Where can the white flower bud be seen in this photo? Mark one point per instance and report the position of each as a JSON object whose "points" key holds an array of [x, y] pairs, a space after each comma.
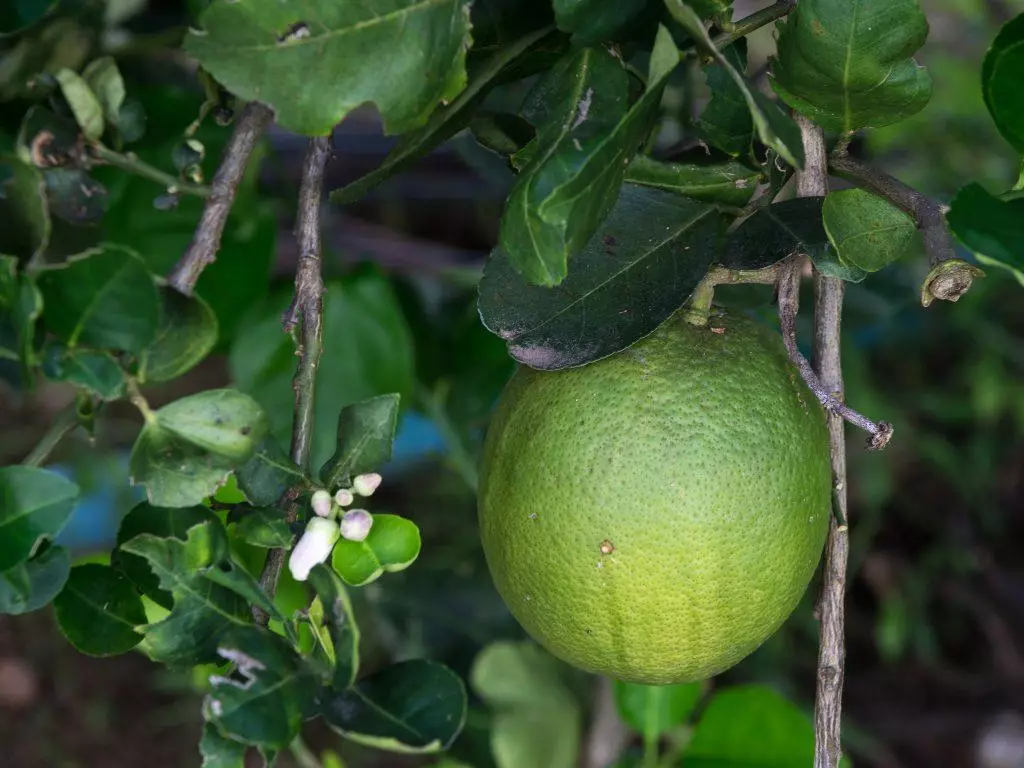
{"points": [[322, 503], [366, 484], [343, 497], [356, 524], [314, 547]]}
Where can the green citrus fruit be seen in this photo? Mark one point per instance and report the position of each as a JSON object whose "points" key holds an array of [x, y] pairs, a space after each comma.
{"points": [[656, 515]]}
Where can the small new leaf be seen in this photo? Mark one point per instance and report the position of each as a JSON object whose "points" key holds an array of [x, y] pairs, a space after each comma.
{"points": [[106, 83], [84, 105], [341, 623], [366, 432], [392, 545]]}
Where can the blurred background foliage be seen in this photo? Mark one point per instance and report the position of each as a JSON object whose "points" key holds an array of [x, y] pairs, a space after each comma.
{"points": [[935, 665]]}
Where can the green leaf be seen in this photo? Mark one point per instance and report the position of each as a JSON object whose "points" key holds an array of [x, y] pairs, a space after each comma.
{"points": [[392, 545], [847, 65], [35, 505], [103, 298], [164, 523], [446, 121], [203, 611], [752, 726], [315, 64], [268, 474], [97, 372], [372, 356], [1000, 82], [366, 432], [228, 573], [98, 611], [219, 751], [84, 105], [774, 127], [991, 228], [501, 132], [726, 122], [591, 21], [187, 449], [30, 585], [708, 8], [268, 693], [23, 210], [262, 527], [414, 706], [776, 231], [536, 719], [21, 304], [729, 183], [341, 623], [586, 135], [186, 334], [106, 83], [642, 264], [655, 709], [866, 231]]}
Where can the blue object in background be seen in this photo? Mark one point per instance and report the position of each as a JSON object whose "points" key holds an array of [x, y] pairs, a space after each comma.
{"points": [[107, 495]]}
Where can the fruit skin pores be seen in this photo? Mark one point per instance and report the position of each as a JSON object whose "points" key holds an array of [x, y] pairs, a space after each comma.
{"points": [[655, 516]]}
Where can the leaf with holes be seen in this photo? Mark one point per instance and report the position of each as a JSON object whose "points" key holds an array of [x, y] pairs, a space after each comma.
{"points": [[729, 183], [35, 505], [268, 693], [1000, 81], [268, 474], [638, 269], [392, 545], [413, 707], [991, 228], [185, 335], [866, 231], [30, 585], [366, 432], [774, 232], [103, 298], [341, 623], [98, 611], [315, 64], [847, 64]]}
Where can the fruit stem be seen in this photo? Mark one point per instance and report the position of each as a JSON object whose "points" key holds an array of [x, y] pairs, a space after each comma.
{"points": [[698, 308]]}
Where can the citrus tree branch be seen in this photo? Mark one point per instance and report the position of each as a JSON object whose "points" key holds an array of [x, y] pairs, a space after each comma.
{"points": [[306, 309], [251, 123], [950, 277], [132, 164], [753, 22], [64, 425]]}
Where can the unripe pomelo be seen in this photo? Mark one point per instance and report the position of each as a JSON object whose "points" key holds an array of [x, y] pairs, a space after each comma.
{"points": [[656, 515]]}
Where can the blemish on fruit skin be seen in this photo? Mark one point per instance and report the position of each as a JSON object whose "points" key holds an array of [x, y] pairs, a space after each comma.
{"points": [[528, 597], [533, 515], [607, 547], [719, 331]]}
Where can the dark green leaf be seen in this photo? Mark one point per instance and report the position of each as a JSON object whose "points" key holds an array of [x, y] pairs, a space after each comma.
{"points": [[46, 139], [26, 229], [536, 720], [187, 449], [586, 135], [228, 573], [219, 751], [444, 122], [131, 121], [84, 105], [414, 706], [75, 196], [315, 64], [268, 693], [103, 298], [106, 83], [392, 545], [847, 65], [35, 505], [21, 304], [373, 355], [866, 231], [654, 709], [203, 611], [1000, 79], [268, 474], [366, 431], [729, 183], [186, 334], [708, 8], [644, 261], [501, 132], [30, 585], [776, 231], [341, 623], [162, 522], [774, 127], [98, 611], [991, 228], [751, 726], [262, 527], [591, 21], [97, 372], [15, 16], [726, 122]]}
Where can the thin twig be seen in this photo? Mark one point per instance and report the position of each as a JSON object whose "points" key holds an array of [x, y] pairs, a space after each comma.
{"points": [[132, 164], [62, 426], [950, 277], [249, 126], [607, 736], [307, 308], [753, 22], [698, 307]]}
